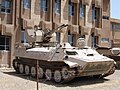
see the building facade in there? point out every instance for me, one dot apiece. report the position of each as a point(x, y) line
point(115, 31)
point(89, 19)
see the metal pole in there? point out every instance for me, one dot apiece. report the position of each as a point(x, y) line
point(37, 74)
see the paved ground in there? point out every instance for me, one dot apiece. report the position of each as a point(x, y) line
point(10, 80)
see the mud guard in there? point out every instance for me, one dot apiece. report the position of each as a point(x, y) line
point(71, 64)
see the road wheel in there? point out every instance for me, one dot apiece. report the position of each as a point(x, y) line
point(48, 74)
point(27, 70)
point(57, 76)
point(40, 72)
point(65, 73)
point(15, 64)
point(33, 71)
point(21, 68)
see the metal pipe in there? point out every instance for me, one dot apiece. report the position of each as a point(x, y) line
point(37, 75)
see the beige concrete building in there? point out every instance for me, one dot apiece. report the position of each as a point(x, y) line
point(115, 30)
point(89, 19)
point(7, 31)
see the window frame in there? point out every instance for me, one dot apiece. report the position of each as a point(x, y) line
point(58, 35)
point(6, 43)
point(82, 10)
point(105, 40)
point(23, 36)
point(57, 6)
point(26, 4)
point(116, 27)
point(95, 13)
point(44, 5)
point(71, 8)
point(70, 38)
point(6, 5)
point(105, 17)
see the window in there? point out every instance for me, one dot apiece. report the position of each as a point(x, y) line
point(70, 38)
point(94, 41)
point(44, 5)
point(71, 9)
point(6, 6)
point(106, 17)
point(57, 37)
point(95, 13)
point(4, 42)
point(82, 10)
point(116, 27)
point(57, 6)
point(26, 4)
point(105, 39)
point(23, 38)
point(111, 26)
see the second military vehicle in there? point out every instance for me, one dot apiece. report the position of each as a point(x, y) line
point(113, 53)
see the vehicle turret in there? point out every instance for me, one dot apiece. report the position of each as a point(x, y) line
point(39, 35)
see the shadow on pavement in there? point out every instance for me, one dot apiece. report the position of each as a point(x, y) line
point(74, 83)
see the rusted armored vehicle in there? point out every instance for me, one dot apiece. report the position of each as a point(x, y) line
point(60, 62)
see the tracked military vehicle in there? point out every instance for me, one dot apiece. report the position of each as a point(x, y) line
point(60, 62)
point(113, 53)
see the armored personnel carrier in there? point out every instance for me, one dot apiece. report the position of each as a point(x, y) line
point(113, 53)
point(60, 62)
